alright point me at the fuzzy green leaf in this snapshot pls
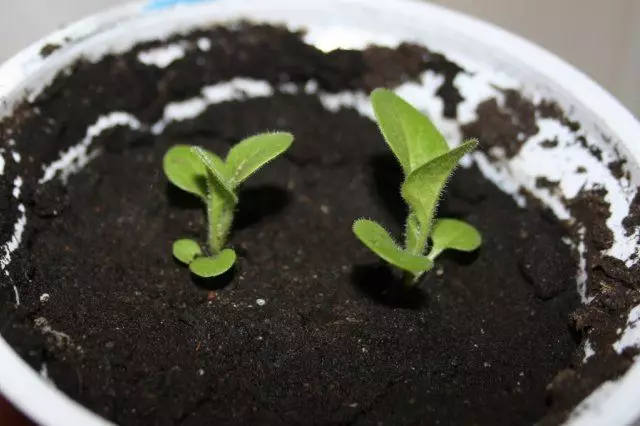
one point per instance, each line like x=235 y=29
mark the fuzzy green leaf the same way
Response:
x=250 y=154
x=378 y=240
x=453 y=234
x=185 y=170
x=217 y=170
x=410 y=134
x=209 y=267
x=186 y=250
x=422 y=188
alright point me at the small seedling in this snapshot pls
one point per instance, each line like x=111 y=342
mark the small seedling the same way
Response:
x=216 y=182
x=427 y=163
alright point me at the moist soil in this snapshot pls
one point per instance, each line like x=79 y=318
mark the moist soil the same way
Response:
x=310 y=328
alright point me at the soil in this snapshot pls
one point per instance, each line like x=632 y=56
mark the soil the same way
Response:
x=48 y=49
x=311 y=328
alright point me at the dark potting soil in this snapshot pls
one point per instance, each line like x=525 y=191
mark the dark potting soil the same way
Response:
x=311 y=329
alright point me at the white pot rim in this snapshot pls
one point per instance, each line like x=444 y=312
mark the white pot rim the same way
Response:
x=44 y=404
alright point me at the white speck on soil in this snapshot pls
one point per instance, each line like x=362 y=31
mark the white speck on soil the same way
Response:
x=17 y=295
x=588 y=351
x=62 y=339
x=631 y=336
x=44 y=372
x=201 y=372
x=17 y=184
x=261 y=302
x=44 y=297
x=162 y=56
x=204 y=44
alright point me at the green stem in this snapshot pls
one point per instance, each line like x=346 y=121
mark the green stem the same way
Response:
x=434 y=254
x=409 y=279
x=415 y=238
x=220 y=209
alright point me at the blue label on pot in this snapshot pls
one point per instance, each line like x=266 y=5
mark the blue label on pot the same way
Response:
x=161 y=4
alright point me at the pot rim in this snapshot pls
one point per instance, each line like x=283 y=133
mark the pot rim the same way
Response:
x=45 y=404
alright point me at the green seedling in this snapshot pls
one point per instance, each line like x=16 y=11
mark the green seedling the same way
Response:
x=427 y=163
x=216 y=182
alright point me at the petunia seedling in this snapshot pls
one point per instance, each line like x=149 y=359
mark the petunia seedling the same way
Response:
x=216 y=182
x=427 y=163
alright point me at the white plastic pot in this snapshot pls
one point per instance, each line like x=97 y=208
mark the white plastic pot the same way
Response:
x=494 y=55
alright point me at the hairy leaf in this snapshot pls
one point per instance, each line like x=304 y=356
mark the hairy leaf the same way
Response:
x=410 y=134
x=186 y=250
x=185 y=170
x=250 y=154
x=453 y=234
x=209 y=267
x=218 y=170
x=376 y=238
x=422 y=188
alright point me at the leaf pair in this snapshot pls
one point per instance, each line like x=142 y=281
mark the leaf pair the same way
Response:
x=427 y=163
x=186 y=166
x=216 y=182
x=189 y=252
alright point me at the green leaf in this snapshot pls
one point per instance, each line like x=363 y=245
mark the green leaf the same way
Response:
x=410 y=134
x=217 y=170
x=186 y=250
x=209 y=267
x=376 y=238
x=453 y=234
x=185 y=170
x=250 y=154
x=422 y=188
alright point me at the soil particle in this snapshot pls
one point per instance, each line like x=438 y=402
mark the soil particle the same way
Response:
x=592 y=210
x=632 y=221
x=549 y=143
x=551 y=109
x=48 y=49
x=543 y=182
x=505 y=126
x=617 y=168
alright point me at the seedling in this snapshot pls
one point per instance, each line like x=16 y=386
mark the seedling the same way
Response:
x=427 y=163
x=216 y=182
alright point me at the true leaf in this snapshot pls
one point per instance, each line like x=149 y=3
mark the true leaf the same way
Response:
x=376 y=238
x=422 y=188
x=453 y=234
x=186 y=250
x=185 y=170
x=217 y=169
x=213 y=266
x=250 y=154
x=410 y=134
